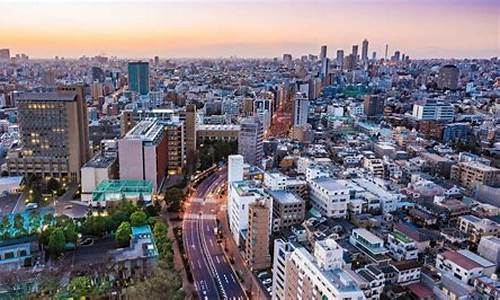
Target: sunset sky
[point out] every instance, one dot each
(216, 28)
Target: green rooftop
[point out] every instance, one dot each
(398, 235)
(123, 188)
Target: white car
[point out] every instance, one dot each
(267, 281)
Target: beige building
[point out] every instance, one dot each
(54, 134)
(257, 243)
(190, 131)
(469, 174)
(226, 133)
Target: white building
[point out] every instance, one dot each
(300, 110)
(329, 197)
(433, 110)
(298, 274)
(234, 168)
(489, 248)
(368, 243)
(463, 265)
(101, 167)
(401, 247)
(241, 195)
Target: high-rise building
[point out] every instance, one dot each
(190, 132)
(257, 243)
(4, 54)
(364, 51)
(300, 110)
(157, 60)
(340, 58)
(54, 134)
(97, 74)
(433, 110)
(386, 51)
(138, 77)
(322, 53)
(373, 106)
(325, 67)
(234, 168)
(354, 55)
(396, 56)
(250, 140)
(448, 77)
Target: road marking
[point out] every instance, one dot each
(217, 259)
(212, 243)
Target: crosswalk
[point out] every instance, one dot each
(206, 200)
(197, 216)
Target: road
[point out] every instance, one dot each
(212, 273)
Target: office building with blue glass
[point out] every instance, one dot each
(138, 77)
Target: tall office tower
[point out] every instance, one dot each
(373, 106)
(4, 54)
(386, 51)
(157, 60)
(354, 55)
(325, 67)
(138, 77)
(448, 77)
(96, 90)
(374, 55)
(234, 168)
(364, 51)
(322, 53)
(250, 140)
(300, 110)
(340, 58)
(287, 58)
(396, 56)
(97, 74)
(190, 132)
(54, 134)
(257, 243)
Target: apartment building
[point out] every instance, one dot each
(470, 174)
(369, 244)
(257, 255)
(288, 209)
(463, 265)
(401, 247)
(329, 197)
(476, 228)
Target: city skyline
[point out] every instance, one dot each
(250, 28)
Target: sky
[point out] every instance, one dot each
(249, 28)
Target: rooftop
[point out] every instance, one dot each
(100, 161)
(50, 96)
(285, 197)
(461, 260)
(329, 184)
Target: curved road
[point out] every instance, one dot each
(213, 275)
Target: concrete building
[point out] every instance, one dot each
(288, 209)
(489, 248)
(300, 110)
(99, 168)
(110, 192)
(470, 174)
(234, 168)
(138, 77)
(369, 244)
(373, 106)
(129, 118)
(433, 110)
(401, 247)
(190, 132)
(448, 77)
(370, 280)
(329, 197)
(54, 134)
(143, 153)
(464, 265)
(250, 140)
(257, 255)
(476, 228)
(226, 133)
(308, 276)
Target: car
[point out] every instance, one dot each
(262, 274)
(269, 289)
(31, 206)
(267, 281)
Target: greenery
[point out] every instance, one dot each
(56, 241)
(163, 243)
(123, 234)
(84, 286)
(138, 218)
(211, 152)
(174, 197)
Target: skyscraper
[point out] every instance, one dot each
(340, 58)
(448, 77)
(250, 140)
(138, 77)
(325, 67)
(364, 51)
(190, 131)
(300, 110)
(354, 55)
(53, 132)
(386, 51)
(4, 54)
(322, 53)
(257, 243)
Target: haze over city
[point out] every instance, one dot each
(212, 28)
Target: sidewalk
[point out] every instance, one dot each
(231, 249)
(187, 286)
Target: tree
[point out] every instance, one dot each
(56, 241)
(138, 218)
(80, 286)
(174, 197)
(163, 284)
(18, 222)
(53, 185)
(70, 233)
(123, 234)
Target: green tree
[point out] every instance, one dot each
(53, 185)
(18, 222)
(56, 241)
(163, 284)
(80, 286)
(123, 234)
(173, 198)
(70, 234)
(138, 218)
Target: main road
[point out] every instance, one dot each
(212, 273)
